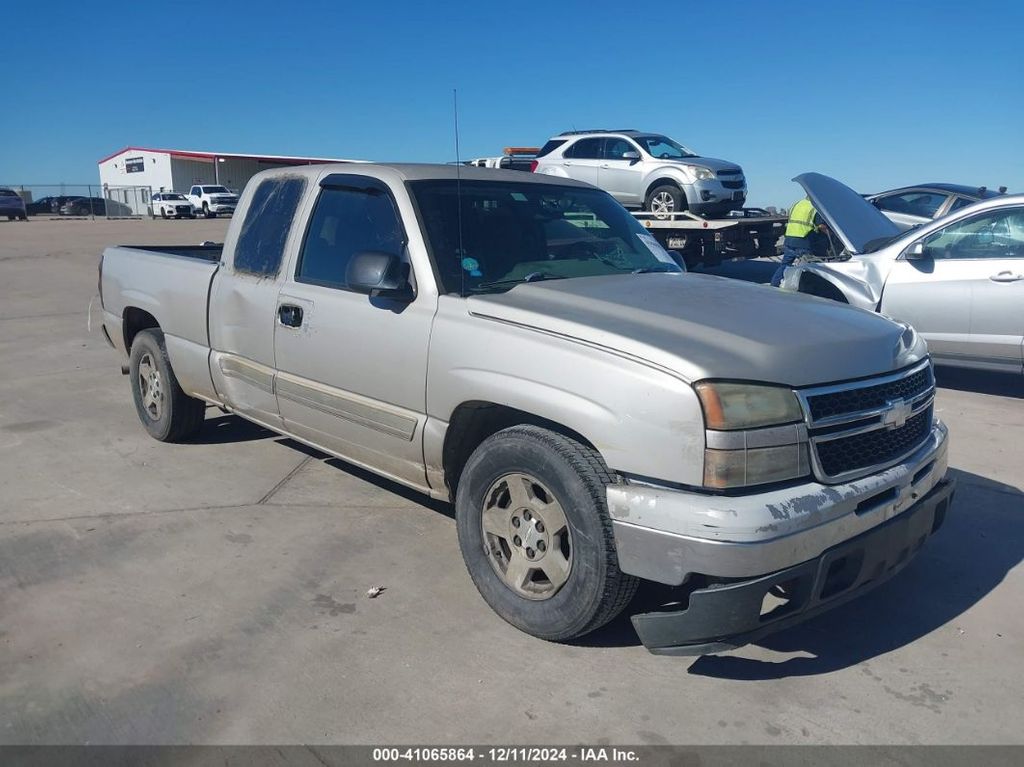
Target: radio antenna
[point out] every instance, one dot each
(458, 186)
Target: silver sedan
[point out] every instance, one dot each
(959, 280)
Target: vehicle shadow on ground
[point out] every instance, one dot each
(225, 429)
(981, 541)
(383, 483)
(998, 384)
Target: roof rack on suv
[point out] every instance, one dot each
(597, 130)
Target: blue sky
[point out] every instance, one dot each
(875, 94)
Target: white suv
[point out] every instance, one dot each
(645, 170)
(212, 199)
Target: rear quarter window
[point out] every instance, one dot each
(550, 147)
(268, 220)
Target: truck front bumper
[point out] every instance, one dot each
(734, 614)
(746, 545)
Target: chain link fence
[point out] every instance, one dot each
(83, 200)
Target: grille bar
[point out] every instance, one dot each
(827, 405)
(864, 426)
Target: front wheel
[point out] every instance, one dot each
(168, 414)
(163, 213)
(207, 212)
(664, 200)
(535, 534)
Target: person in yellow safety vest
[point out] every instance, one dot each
(801, 230)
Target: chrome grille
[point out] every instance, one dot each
(869, 397)
(864, 426)
(873, 448)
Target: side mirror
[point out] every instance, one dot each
(378, 274)
(632, 156)
(915, 252)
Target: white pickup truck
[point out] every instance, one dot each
(520, 345)
(212, 199)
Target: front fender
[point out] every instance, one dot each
(852, 278)
(643, 420)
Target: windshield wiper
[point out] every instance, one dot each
(657, 269)
(531, 277)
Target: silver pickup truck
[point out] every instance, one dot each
(521, 346)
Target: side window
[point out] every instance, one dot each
(994, 234)
(961, 202)
(585, 149)
(345, 222)
(271, 210)
(551, 146)
(195, 191)
(923, 204)
(614, 148)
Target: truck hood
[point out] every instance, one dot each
(854, 220)
(699, 326)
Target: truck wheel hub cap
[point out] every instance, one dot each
(151, 388)
(526, 536)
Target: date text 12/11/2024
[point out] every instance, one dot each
(505, 754)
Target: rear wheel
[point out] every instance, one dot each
(665, 199)
(534, 529)
(168, 414)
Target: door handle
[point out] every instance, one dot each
(567, 163)
(1006, 277)
(605, 165)
(289, 315)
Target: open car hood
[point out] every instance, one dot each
(854, 220)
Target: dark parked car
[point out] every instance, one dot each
(49, 204)
(12, 206)
(95, 206)
(912, 206)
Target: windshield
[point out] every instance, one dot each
(664, 148)
(514, 232)
(215, 190)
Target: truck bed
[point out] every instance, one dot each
(169, 282)
(201, 252)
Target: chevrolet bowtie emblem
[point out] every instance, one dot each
(896, 414)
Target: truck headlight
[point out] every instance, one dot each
(729, 406)
(755, 434)
(701, 173)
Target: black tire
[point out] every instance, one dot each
(180, 416)
(23, 217)
(207, 212)
(672, 191)
(595, 591)
(163, 213)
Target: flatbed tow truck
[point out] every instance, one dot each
(746, 233)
